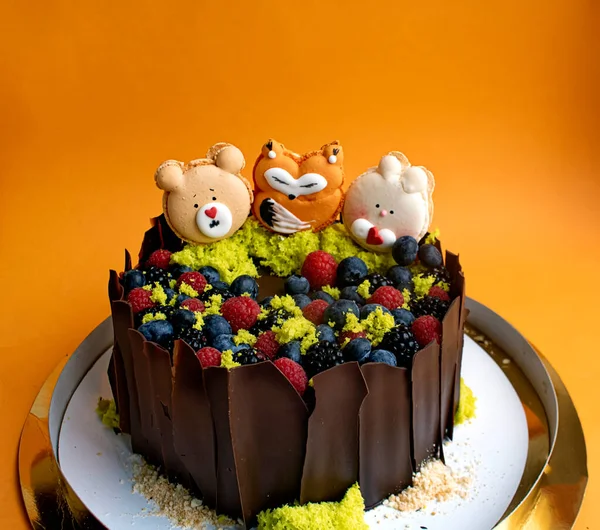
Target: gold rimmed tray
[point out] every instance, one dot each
(549, 495)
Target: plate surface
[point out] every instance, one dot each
(97, 463)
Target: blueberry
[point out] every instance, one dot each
(291, 350)
(430, 256)
(296, 285)
(223, 342)
(240, 347)
(351, 271)
(177, 270)
(403, 316)
(322, 295)
(357, 350)
(220, 286)
(383, 356)
(158, 331)
(182, 318)
(132, 279)
(302, 300)
(399, 275)
(210, 273)
(182, 298)
(351, 293)
(170, 294)
(369, 308)
(405, 250)
(337, 311)
(244, 284)
(325, 332)
(266, 302)
(215, 325)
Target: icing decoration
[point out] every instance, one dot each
(206, 199)
(298, 192)
(389, 201)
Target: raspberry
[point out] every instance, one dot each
(209, 357)
(240, 312)
(267, 344)
(426, 329)
(351, 335)
(159, 258)
(294, 373)
(192, 304)
(139, 299)
(388, 297)
(315, 310)
(319, 268)
(193, 279)
(438, 292)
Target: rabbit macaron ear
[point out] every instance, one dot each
(414, 180)
(169, 175)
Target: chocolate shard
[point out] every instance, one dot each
(193, 431)
(169, 239)
(159, 236)
(151, 447)
(122, 318)
(159, 364)
(331, 462)
(261, 427)
(385, 464)
(118, 382)
(127, 261)
(458, 285)
(425, 375)
(228, 495)
(115, 289)
(449, 359)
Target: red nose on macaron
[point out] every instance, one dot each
(211, 212)
(373, 237)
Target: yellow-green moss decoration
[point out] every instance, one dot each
(333, 291)
(107, 412)
(213, 305)
(227, 360)
(443, 285)
(406, 296)
(348, 514)
(467, 404)
(433, 237)
(297, 328)
(422, 285)
(286, 303)
(199, 320)
(243, 336)
(153, 316)
(364, 289)
(158, 295)
(377, 324)
(185, 288)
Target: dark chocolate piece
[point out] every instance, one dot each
(157, 237)
(118, 382)
(228, 495)
(115, 289)
(193, 431)
(331, 463)
(268, 432)
(152, 450)
(159, 365)
(385, 465)
(449, 357)
(426, 404)
(127, 261)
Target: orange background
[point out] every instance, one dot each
(499, 99)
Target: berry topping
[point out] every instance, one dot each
(223, 342)
(210, 273)
(215, 325)
(177, 270)
(388, 297)
(209, 357)
(441, 274)
(294, 374)
(246, 355)
(267, 344)
(383, 356)
(357, 350)
(351, 293)
(182, 318)
(194, 337)
(266, 301)
(133, 279)
(351, 335)
(405, 250)
(139, 299)
(402, 343)
(376, 281)
(430, 256)
(438, 292)
(194, 279)
(156, 275)
(403, 316)
(426, 329)
(240, 312)
(192, 304)
(296, 285)
(399, 275)
(302, 300)
(429, 305)
(159, 259)
(244, 284)
(158, 331)
(207, 294)
(315, 311)
(351, 271)
(337, 312)
(322, 295)
(370, 308)
(319, 269)
(292, 351)
(325, 332)
(322, 356)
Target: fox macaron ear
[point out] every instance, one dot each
(169, 175)
(272, 149)
(334, 153)
(230, 159)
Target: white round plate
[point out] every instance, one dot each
(97, 463)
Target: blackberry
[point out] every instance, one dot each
(154, 274)
(429, 305)
(225, 295)
(402, 343)
(322, 356)
(246, 356)
(271, 320)
(194, 337)
(377, 280)
(166, 310)
(138, 317)
(441, 274)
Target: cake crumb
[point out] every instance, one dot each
(173, 500)
(434, 482)
(505, 361)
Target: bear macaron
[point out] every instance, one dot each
(206, 199)
(389, 201)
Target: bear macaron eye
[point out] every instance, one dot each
(196, 205)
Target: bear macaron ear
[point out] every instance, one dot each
(230, 159)
(169, 175)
